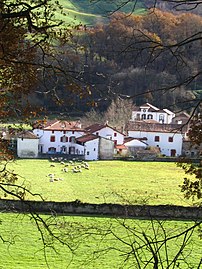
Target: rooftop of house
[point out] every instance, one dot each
(18, 134)
(128, 139)
(27, 135)
(86, 138)
(63, 126)
(97, 127)
(156, 127)
(120, 147)
(152, 108)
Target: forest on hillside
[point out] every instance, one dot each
(133, 56)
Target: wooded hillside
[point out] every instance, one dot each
(137, 57)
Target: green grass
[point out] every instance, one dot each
(105, 182)
(90, 13)
(23, 248)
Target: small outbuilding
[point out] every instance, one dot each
(27, 145)
(96, 147)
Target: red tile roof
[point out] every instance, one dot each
(86, 138)
(120, 147)
(27, 135)
(96, 127)
(156, 127)
(64, 126)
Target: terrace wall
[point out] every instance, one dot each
(114, 210)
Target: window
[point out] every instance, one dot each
(143, 116)
(52, 132)
(94, 149)
(72, 132)
(97, 133)
(63, 139)
(156, 138)
(170, 139)
(52, 138)
(71, 150)
(64, 132)
(88, 153)
(63, 149)
(72, 139)
(149, 116)
(115, 142)
(52, 150)
(115, 134)
(161, 118)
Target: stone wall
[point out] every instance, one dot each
(113, 210)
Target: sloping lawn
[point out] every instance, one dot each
(105, 182)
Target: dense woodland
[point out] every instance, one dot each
(135, 56)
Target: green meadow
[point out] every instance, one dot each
(100, 243)
(95, 242)
(89, 12)
(123, 182)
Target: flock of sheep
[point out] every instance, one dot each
(67, 166)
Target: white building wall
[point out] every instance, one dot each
(165, 146)
(111, 134)
(92, 150)
(106, 149)
(45, 144)
(157, 116)
(27, 148)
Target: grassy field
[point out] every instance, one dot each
(90, 13)
(23, 248)
(105, 182)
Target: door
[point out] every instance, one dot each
(173, 153)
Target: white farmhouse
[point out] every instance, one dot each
(27, 145)
(60, 137)
(96, 147)
(90, 145)
(168, 138)
(106, 131)
(150, 112)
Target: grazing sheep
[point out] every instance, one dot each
(51, 175)
(51, 179)
(65, 170)
(74, 170)
(62, 163)
(52, 165)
